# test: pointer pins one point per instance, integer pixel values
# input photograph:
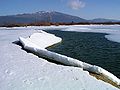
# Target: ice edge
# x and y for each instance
(42, 52)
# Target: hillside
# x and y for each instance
(41, 16)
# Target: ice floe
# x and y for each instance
(35, 47)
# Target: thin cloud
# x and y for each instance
(76, 4)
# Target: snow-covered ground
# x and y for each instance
(20, 70)
(36, 43)
(113, 31)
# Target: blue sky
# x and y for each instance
(87, 9)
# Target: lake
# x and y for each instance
(92, 48)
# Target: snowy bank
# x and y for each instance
(20, 70)
(113, 31)
(36, 44)
(43, 39)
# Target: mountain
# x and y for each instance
(102, 20)
(41, 16)
(47, 16)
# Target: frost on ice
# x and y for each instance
(37, 43)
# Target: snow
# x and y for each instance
(30, 44)
(20, 70)
(43, 39)
(113, 31)
(113, 37)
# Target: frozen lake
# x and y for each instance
(25, 71)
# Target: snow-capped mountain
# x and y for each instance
(48, 16)
(41, 16)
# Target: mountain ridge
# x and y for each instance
(48, 16)
(40, 16)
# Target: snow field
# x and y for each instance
(20, 70)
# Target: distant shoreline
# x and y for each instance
(57, 24)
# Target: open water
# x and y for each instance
(92, 48)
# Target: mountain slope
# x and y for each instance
(40, 16)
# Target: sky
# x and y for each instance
(88, 9)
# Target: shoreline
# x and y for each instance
(35, 72)
(30, 45)
(103, 78)
(92, 48)
(57, 24)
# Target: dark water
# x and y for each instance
(92, 48)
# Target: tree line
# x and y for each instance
(56, 24)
